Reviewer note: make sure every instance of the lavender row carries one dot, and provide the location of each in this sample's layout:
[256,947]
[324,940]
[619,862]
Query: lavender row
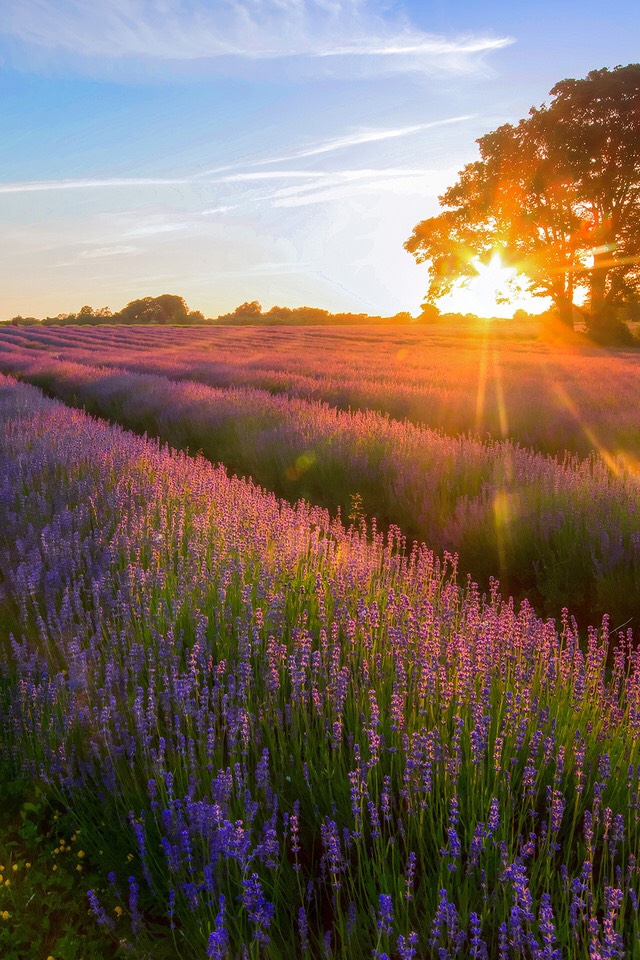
[543,395]
[282,738]
[562,533]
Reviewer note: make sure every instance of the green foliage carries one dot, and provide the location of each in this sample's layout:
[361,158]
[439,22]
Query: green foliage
[44,911]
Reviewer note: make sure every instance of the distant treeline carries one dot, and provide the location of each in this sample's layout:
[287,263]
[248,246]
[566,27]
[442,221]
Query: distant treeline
[166,309]
[252,313]
[170,309]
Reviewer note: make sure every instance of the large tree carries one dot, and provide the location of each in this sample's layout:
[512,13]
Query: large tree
[558,195]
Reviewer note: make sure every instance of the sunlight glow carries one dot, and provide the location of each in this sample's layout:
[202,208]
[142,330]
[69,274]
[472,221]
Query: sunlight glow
[488,294]
[490,287]
[614,461]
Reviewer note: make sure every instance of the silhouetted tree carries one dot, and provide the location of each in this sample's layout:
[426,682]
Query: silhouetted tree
[252,313]
[19,321]
[429,313]
[558,195]
[166,309]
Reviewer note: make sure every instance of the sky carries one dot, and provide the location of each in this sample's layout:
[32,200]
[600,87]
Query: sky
[271,150]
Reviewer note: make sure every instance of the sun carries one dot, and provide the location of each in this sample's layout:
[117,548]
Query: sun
[494,274]
[490,289]
[488,294]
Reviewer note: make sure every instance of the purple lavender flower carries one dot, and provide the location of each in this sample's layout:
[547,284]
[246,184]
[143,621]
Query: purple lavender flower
[332,857]
[494,817]
[136,916]
[548,930]
[477,946]
[503,942]
[303,929]
[98,910]
[409,876]
[259,909]
[218,945]
[385,914]
[408,946]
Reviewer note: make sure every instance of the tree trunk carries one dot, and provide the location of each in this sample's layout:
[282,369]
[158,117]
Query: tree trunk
[599,283]
[603,324]
[564,306]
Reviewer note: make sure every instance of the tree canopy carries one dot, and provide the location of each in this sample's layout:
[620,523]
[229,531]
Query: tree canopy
[166,308]
[558,196]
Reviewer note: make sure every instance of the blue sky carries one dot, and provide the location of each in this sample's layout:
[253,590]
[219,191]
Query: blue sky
[272,150]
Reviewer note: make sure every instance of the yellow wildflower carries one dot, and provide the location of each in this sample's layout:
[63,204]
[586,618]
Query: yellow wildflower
[81,854]
[15,867]
[5,914]
[118,911]
[79,868]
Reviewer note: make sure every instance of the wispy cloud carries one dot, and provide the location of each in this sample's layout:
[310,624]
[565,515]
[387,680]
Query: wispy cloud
[243,172]
[40,186]
[430,46]
[265,269]
[349,183]
[305,187]
[157,225]
[245,177]
[310,187]
[192,30]
[37,186]
[99,252]
[361,137]
[313,177]
[223,208]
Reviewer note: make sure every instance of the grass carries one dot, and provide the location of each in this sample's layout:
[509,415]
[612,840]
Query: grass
[44,877]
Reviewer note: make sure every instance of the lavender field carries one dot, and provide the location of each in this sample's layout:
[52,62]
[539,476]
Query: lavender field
[457,379]
[561,530]
[287,731]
